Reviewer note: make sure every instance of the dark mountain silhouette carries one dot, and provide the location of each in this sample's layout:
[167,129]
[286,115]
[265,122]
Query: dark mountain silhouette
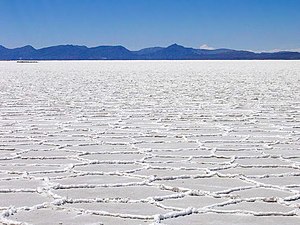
[61,52]
[146,51]
[172,52]
[110,52]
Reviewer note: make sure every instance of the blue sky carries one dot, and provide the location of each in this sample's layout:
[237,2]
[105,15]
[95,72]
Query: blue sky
[239,24]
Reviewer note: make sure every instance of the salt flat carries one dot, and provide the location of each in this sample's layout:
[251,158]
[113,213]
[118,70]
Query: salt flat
[150,142]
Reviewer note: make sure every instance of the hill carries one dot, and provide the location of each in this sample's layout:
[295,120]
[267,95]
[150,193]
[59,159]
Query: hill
[172,52]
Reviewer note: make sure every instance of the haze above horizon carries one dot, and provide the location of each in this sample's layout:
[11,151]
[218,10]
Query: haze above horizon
[255,25]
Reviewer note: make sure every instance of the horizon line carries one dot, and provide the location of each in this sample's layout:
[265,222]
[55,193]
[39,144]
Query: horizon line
[202,47]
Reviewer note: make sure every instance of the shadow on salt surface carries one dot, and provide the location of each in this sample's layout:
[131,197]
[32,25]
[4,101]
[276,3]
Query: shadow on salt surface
[287,151]
[97,180]
[282,181]
[20,168]
[134,209]
[192,201]
[257,192]
[238,146]
[20,183]
[129,193]
[108,167]
[159,138]
[211,160]
[257,207]
[260,161]
[51,175]
[96,148]
[211,184]
[260,171]
[19,199]
[48,153]
[56,142]
[238,153]
[166,172]
[5,155]
[199,131]
[31,146]
[182,152]
[6,176]
[168,146]
[115,157]
[183,164]
[223,219]
[165,159]
[42,161]
[68,217]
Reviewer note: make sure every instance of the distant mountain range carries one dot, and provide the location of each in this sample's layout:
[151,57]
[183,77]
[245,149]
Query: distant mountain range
[172,52]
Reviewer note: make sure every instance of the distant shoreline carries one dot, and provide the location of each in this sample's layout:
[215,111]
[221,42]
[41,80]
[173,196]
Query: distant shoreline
[172,52]
[141,60]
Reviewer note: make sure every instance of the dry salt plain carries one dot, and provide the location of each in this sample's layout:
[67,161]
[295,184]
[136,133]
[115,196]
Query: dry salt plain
[157,142]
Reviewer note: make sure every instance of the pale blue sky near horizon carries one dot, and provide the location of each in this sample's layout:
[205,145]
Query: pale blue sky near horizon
[256,25]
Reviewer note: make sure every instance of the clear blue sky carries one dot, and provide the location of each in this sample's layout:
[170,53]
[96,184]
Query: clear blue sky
[239,24]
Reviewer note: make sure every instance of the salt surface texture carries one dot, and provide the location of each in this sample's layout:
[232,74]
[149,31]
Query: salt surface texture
[156,142]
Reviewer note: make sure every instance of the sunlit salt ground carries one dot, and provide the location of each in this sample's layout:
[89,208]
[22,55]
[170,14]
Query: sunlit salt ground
[135,142]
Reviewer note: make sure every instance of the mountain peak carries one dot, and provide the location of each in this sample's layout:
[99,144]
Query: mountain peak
[175,46]
[27,47]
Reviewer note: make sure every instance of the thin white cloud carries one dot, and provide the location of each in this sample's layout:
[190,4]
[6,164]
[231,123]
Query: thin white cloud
[206,47]
[280,50]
